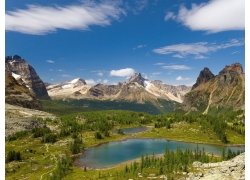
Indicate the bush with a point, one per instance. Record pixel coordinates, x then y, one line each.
49 138
13 155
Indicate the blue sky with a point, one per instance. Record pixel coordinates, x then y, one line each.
108 41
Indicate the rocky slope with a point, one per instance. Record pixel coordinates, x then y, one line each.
26 75
214 93
233 169
175 93
18 118
18 94
136 89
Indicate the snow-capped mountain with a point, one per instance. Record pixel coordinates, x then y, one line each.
76 88
136 89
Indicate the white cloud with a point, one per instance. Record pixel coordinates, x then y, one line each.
139 46
197 49
179 78
98 80
177 67
60 70
50 61
100 74
50 69
177 56
235 52
169 15
156 73
137 6
214 16
90 82
105 81
122 72
66 75
159 64
40 20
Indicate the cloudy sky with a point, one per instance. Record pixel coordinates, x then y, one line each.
107 41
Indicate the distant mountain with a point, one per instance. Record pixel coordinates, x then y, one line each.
26 75
136 89
213 94
76 88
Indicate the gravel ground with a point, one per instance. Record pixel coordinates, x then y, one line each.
18 118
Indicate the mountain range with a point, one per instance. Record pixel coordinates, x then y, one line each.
136 89
210 93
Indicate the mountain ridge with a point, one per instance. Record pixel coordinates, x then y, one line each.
25 74
223 91
136 89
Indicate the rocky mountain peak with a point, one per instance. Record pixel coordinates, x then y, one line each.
236 67
137 78
78 82
21 68
204 76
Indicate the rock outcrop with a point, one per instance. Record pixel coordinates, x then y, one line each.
233 169
204 76
137 78
218 93
21 69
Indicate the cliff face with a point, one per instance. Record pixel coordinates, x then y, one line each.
17 94
224 91
28 75
205 75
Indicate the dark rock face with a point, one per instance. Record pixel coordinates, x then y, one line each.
46 84
205 75
17 94
28 75
229 75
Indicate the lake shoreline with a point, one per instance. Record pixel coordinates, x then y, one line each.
82 166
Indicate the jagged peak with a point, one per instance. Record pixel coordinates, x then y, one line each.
204 76
236 67
137 78
15 57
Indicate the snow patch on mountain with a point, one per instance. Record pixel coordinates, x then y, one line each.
67 86
74 80
16 76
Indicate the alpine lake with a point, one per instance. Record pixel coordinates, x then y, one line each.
113 153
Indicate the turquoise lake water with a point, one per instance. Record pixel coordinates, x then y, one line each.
113 153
